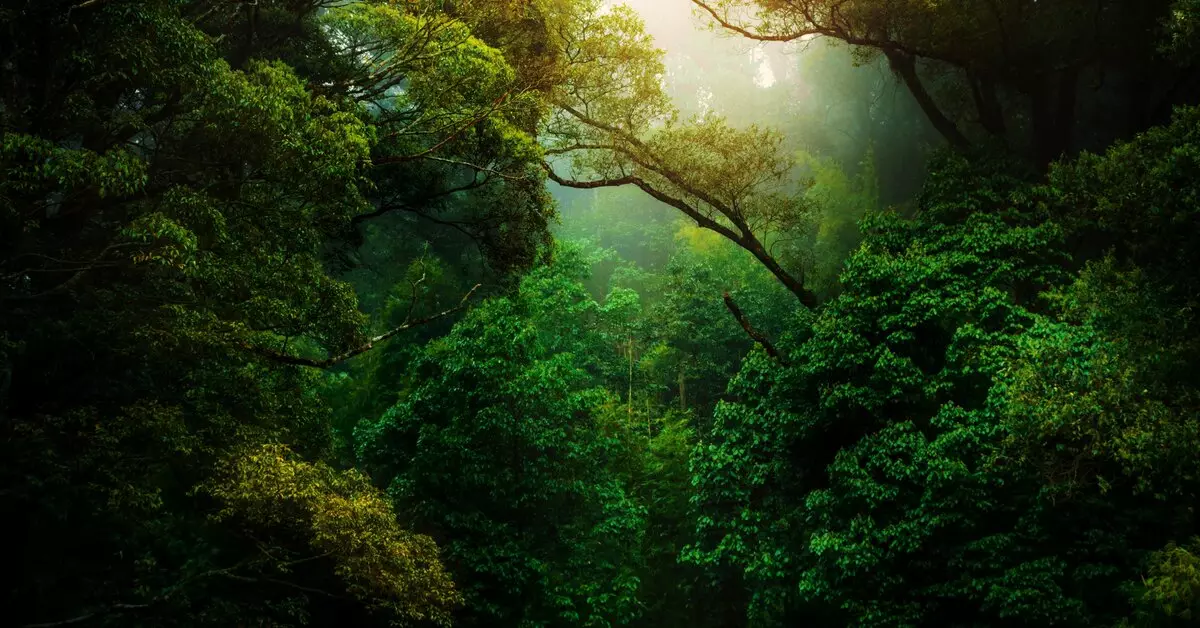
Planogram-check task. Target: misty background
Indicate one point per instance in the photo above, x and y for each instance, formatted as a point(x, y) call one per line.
point(858, 140)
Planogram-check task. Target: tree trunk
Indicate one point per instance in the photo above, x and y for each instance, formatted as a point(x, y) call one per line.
point(682, 386)
point(987, 104)
point(905, 66)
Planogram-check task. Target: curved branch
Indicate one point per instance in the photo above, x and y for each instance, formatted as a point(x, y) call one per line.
point(905, 66)
point(747, 33)
point(87, 4)
point(370, 344)
point(836, 32)
point(746, 240)
point(677, 203)
point(670, 175)
point(755, 335)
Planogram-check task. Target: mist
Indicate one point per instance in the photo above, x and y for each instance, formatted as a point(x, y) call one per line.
point(858, 140)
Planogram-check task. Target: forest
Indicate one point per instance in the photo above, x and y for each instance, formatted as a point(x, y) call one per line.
point(591, 313)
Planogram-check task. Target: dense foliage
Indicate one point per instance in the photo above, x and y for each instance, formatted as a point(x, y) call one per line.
point(970, 429)
point(492, 313)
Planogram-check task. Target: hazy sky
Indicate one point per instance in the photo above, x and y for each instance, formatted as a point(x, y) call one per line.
point(677, 28)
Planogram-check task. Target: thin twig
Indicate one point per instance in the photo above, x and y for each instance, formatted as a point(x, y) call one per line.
point(370, 344)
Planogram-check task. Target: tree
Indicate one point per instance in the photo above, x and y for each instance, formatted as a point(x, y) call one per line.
point(497, 454)
point(1013, 57)
point(880, 369)
point(732, 182)
point(697, 344)
point(173, 199)
point(456, 153)
point(345, 519)
point(970, 406)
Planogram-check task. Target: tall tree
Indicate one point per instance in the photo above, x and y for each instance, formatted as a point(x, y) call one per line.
point(614, 123)
point(171, 192)
point(497, 452)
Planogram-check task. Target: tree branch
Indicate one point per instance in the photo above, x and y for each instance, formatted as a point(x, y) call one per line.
point(479, 168)
point(657, 168)
point(70, 281)
point(744, 32)
point(449, 138)
point(370, 344)
point(385, 208)
point(840, 31)
point(754, 334)
point(987, 104)
point(905, 66)
point(677, 203)
point(746, 240)
point(87, 4)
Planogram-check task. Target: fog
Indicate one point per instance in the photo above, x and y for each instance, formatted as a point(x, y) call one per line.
point(858, 140)
point(706, 67)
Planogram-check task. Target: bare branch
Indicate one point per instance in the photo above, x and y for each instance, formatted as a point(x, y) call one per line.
point(754, 334)
point(370, 344)
point(87, 5)
point(479, 168)
point(744, 32)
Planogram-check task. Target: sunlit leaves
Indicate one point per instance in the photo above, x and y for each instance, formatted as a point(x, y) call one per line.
point(35, 164)
point(420, 61)
point(612, 71)
point(879, 423)
point(1174, 580)
point(614, 125)
point(453, 122)
point(344, 518)
point(956, 433)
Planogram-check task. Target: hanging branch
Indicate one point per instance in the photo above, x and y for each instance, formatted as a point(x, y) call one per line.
point(370, 344)
point(89, 4)
point(754, 334)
